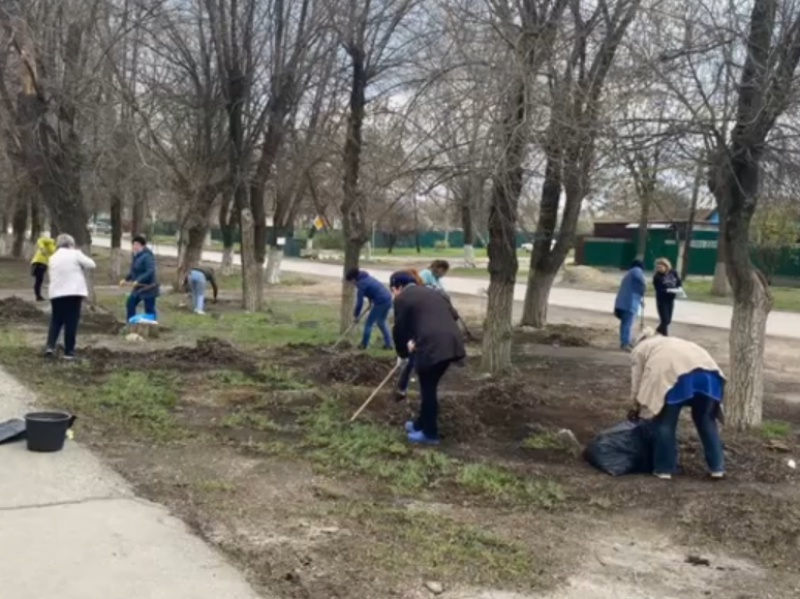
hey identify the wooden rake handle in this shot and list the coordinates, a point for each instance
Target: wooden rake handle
(374, 393)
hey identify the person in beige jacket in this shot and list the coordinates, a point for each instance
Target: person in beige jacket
(668, 374)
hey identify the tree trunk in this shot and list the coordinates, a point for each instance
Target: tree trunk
(744, 391)
(644, 221)
(115, 270)
(353, 209)
(139, 213)
(191, 254)
(352, 251)
(37, 218)
(503, 209)
(543, 268)
(467, 228)
(252, 270)
(228, 229)
(274, 258)
(19, 224)
(689, 232)
(720, 286)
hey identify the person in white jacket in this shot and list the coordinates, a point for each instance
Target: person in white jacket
(67, 290)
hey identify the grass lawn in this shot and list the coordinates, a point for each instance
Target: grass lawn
(787, 299)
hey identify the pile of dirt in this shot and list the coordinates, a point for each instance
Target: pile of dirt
(101, 323)
(352, 369)
(586, 277)
(209, 353)
(16, 310)
(561, 335)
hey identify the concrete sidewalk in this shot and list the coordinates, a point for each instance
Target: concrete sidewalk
(71, 528)
(780, 324)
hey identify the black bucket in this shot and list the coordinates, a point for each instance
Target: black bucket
(47, 431)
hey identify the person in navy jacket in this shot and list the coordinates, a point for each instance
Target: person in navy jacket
(667, 285)
(144, 278)
(380, 304)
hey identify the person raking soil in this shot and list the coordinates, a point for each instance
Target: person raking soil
(194, 283)
(668, 374)
(424, 327)
(667, 285)
(380, 304)
(405, 375)
(45, 247)
(68, 288)
(144, 278)
(629, 300)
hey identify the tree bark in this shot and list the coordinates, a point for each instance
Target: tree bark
(274, 258)
(467, 228)
(37, 218)
(720, 286)
(689, 232)
(115, 269)
(19, 224)
(139, 212)
(744, 391)
(352, 252)
(503, 209)
(227, 228)
(192, 241)
(644, 221)
(252, 271)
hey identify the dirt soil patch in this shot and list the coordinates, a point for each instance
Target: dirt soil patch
(101, 323)
(348, 368)
(16, 310)
(209, 353)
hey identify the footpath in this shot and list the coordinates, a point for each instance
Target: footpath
(72, 528)
(780, 324)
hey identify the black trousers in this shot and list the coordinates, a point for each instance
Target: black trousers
(37, 272)
(428, 420)
(665, 307)
(66, 314)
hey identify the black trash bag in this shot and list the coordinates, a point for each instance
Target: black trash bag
(12, 430)
(625, 448)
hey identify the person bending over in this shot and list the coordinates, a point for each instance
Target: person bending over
(194, 283)
(433, 275)
(667, 375)
(380, 301)
(425, 328)
(45, 247)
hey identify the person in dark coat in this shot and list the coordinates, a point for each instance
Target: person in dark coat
(144, 278)
(424, 325)
(380, 304)
(667, 285)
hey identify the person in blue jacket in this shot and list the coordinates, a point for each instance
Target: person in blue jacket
(143, 276)
(630, 299)
(380, 303)
(433, 275)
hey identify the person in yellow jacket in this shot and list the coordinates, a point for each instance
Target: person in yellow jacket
(45, 247)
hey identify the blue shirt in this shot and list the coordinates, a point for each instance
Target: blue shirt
(631, 291)
(703, 382)
(371, 289)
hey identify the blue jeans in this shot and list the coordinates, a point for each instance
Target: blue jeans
(704, 414)
(378, 314)
(133, 302)
(197, 284)
(625, 325)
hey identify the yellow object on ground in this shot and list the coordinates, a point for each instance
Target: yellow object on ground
(45, 247)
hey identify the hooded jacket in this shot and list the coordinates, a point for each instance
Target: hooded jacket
(45, 247)
(372, 289)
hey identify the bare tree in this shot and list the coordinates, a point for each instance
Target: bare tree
(569, 145)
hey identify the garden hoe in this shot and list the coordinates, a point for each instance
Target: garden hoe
(374, 393)
(347, 332)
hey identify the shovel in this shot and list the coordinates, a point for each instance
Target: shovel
(374, 393)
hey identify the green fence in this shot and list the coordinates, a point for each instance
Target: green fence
(618, 253)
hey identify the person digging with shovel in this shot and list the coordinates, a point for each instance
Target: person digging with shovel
(380, 301)
(143, 277)
(424, 328)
